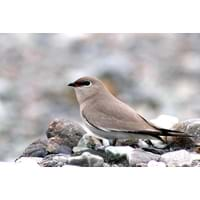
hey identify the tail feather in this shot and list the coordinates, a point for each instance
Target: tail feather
(167, 132)
(170, 132)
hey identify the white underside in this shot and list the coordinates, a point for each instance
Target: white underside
(116, 135)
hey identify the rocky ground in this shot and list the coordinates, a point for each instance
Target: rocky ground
(154, 73)
(66, 144)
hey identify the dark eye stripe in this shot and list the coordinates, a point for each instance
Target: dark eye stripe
(82, 83)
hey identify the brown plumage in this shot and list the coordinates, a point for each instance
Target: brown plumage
(108, 117)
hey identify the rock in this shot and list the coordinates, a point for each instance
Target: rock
(191, 127)
(115, 153)
(53, 160)
(29, 161)
(138, 156)
(70, 132)
(86, 160)
(36, 149)
(89, 141)
(177, 158)
(165, 121)
(58, 145)
(154, 163)
(133, 156)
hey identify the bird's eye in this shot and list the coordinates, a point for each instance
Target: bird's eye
(87, 83)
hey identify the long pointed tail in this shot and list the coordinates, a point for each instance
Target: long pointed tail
(170, 132)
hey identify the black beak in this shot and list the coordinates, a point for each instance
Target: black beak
(71, 84)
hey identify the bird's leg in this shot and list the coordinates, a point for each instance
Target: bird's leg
(149, 142)
(114, 142)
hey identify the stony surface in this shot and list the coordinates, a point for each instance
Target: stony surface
(68, 131)
(62, 136)
(179, 158)
(54, 160)
(138, 156)
(191, 127)
(36, 67)
(60, 150)
(89, 141)
(36, 149)
(58, 145)
(165, 121)
(86, 160)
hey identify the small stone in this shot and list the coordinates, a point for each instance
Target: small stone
(54, 160)
(165, 121)
(133, 156)
(154, 163)
(177, 158)
(29, 161)
(89, 141)
(36, 149)
(117, 155)
(190, 127)
(86, 160)
(141, 156)
(117, 152)
(58, 145)
(106, 165)
(70, 132)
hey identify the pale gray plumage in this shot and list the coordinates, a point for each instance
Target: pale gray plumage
(109, 117)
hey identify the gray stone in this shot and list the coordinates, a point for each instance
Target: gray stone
(36, 149)
(117, 152)
(58, 145)
(89, 141)
(177, 158)
(70, 132)
(133, 156)
(54, 160)
(138, 156)
(86, 160)
(191, 127)
(165, 121)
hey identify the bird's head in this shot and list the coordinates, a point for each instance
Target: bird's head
(86, 88)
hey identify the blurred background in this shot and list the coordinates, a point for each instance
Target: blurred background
(154, 73)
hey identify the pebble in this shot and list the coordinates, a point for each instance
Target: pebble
(116, 152)
(141, 156)
(165, 121)
(58, 145)
(36, 149)
(86, 160)
(70, 132)
(89, 141)
(190, 127)
(133, 156)
(54, 160)
(177, 158)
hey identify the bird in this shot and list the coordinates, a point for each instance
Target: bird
(108, 117)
